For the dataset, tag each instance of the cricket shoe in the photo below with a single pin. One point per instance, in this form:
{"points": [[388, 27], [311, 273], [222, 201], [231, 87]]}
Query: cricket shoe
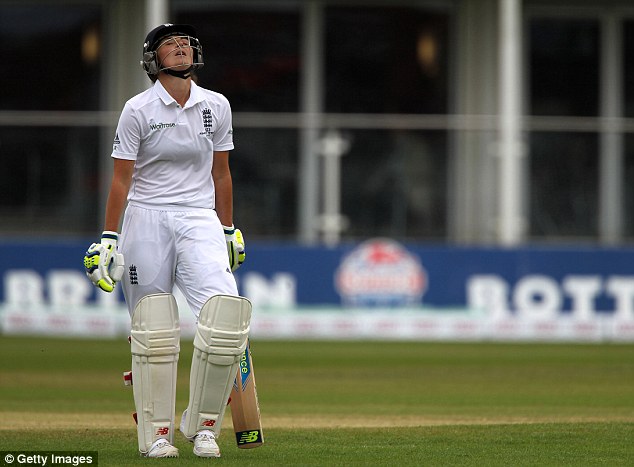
{"points": [[205, 444], [162, 448]]}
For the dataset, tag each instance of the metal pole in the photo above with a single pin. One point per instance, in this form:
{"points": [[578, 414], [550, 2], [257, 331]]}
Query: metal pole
{"points": [[122, 74], [510, 220], [156, 12], [611, 162], [333, 146], [311, 109]]}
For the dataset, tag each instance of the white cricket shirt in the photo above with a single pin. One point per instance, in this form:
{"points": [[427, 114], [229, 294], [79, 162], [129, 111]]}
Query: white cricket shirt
{"points": [[173, 146]]}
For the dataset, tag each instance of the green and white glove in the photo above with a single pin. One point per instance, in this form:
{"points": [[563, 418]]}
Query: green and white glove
{"points": [[235, 247], [103, 264]]}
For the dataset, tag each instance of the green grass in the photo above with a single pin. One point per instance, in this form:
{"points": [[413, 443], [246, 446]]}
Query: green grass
{"points": [[346, 403], [497, 445]]}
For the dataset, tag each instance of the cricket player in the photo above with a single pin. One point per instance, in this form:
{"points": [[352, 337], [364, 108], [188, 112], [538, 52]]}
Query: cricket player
{"points": [[171, 166]]}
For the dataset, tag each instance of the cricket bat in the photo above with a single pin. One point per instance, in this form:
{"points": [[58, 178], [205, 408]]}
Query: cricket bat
{"points": [[245, 410]]}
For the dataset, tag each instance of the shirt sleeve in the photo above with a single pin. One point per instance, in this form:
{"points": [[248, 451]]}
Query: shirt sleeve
{"points": [[128, 135], [223, 135]]}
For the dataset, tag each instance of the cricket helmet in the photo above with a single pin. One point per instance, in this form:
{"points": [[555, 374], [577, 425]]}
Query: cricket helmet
{"points": [[153, 41]]}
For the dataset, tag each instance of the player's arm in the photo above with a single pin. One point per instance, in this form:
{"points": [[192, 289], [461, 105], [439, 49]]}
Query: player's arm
{"points": [[223, 184], [119, 187], [102, 262], [221, 174]]}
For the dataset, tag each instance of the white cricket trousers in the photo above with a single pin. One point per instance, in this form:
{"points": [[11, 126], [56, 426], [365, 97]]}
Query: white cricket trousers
{"points": [[163, 248]]}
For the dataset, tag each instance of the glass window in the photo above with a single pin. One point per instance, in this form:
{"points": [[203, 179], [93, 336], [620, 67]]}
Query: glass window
{"points": [[48, 182], [394, 183], [564, 66], [264, 171], [628, 187], [628, 68], [564, 174], [251, 56], [386, 60], [51, 56]]}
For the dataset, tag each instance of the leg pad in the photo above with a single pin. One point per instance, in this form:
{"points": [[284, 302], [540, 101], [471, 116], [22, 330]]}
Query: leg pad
{"points": [[155, 345], [221, 337]]}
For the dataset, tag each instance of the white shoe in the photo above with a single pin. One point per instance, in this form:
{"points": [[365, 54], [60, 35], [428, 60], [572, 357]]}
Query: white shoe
{"points": [[162, 448], [205, 444]]}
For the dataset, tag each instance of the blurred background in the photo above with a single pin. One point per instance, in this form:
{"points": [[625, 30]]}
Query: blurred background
{"points": [[478, 150]]}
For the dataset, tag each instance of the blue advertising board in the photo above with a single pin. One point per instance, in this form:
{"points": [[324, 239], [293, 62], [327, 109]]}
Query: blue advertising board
{"points": [[380, 272]]}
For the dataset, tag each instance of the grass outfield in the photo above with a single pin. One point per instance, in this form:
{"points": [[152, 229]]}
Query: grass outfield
{"points": [[346, 403]]}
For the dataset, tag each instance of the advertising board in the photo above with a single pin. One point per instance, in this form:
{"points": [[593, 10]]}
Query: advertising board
{"points": [[379, 288]]}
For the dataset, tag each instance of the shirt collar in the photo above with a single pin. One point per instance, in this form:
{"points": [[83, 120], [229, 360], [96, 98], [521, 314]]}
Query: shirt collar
{"points": [[163, 94], [195, 95]]}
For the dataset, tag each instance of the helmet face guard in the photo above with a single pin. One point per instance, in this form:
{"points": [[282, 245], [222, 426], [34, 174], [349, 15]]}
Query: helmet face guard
{"points": [[157, 37]]}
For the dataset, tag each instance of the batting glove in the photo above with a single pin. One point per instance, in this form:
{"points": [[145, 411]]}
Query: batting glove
{"points": [[103, 264], [235, 247]]}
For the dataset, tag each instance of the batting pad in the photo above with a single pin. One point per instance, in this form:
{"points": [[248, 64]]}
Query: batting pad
{"points": [[221, 337], [155, 344]]}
